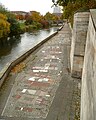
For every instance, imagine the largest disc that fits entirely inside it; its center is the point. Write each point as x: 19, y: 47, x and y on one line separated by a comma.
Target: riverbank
x: 21, y: 56
x: 43, y: 89
x: 32, y: 27
x: 17, y: 45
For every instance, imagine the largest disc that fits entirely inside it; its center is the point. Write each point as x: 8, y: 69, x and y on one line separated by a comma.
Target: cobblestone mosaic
x: 37, y: 79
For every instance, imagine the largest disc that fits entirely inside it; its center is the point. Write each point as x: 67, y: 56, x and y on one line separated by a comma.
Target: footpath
x: 41, y: 87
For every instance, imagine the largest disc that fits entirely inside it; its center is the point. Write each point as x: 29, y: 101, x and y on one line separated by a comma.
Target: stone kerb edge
x: 6, y: 70
x: 60, y: 28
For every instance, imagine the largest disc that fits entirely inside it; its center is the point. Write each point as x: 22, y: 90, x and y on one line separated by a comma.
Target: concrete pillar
x: 80, y: 27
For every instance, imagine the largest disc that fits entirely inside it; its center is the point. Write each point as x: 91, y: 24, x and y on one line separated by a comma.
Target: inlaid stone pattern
x: 35, y: 86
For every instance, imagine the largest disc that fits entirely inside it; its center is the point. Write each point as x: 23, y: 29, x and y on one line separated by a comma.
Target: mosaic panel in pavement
x: 35, y: 87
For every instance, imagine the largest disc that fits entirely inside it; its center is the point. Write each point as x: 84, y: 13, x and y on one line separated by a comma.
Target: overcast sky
x: 41, y: 6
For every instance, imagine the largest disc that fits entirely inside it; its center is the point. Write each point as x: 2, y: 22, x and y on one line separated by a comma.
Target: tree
x: 51, y: 18
x: 35, y: 16
x: 83, y: 2
x: 48, y: 16
x: 28, y: 21
x: 44, y: 23
x: 71, y: 6
x: 4, y: 26
x: 20, y: 17
x: 3, y: 9
x: 14, y: 25
x: 11, y: 19
x: 63, y: 2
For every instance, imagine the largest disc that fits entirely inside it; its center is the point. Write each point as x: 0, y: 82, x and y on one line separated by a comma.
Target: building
x: 57, y: 11
x: 19, y: 12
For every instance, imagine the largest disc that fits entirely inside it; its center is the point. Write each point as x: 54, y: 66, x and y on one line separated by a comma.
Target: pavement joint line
x: 6, y: 103
x: 39, y: 110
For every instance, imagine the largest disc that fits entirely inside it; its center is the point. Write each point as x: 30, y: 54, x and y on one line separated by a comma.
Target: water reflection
x: 7, y: 44
x: 14, y: 46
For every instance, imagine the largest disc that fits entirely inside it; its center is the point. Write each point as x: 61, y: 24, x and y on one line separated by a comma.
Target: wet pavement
x: 41, y: 87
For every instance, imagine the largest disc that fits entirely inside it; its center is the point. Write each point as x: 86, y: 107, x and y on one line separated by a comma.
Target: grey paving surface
x: 41, y: 87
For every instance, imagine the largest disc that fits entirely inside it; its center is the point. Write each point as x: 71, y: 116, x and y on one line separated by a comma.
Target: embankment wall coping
x: 8, y: 67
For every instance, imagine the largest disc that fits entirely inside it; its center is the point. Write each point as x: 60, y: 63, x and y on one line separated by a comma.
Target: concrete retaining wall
x: 79, y: 33
x: 88, y: 91
x: 6, y: 70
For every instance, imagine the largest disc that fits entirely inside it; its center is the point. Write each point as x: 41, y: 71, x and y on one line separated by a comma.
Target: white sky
x: 41, y: 6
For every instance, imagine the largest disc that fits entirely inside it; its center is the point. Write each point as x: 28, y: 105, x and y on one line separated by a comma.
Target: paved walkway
x: 41, y: 86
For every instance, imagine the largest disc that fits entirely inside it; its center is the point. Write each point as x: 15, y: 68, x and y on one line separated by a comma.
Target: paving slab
x: 43, y: 89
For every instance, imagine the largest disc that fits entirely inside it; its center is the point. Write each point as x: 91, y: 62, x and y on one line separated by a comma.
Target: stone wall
x: 88, y: 91
x: 80, y: 27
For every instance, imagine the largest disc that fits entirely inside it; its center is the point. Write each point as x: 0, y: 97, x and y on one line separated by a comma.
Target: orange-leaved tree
x: 36, y: 16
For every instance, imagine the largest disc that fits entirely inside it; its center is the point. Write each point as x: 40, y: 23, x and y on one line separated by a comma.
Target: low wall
x: 60, y: 28
x: 88, y: 90
x: 6, y: 70
x: 79, y: 33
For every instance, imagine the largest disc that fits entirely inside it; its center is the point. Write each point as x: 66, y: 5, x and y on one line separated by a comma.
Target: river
x: 12, y: 47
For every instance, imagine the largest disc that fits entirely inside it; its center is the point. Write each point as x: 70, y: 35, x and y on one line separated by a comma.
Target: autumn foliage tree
x: 44, y: 23
x: 4, y: 25
x: 71, y: 6
x: 36, y: 16
x: 36, y: 20
x: 9, y: 22
x: 20, y: 17
x: 51, y: 18
x: 48, y: 16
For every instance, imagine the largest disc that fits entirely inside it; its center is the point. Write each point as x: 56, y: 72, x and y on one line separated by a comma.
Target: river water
x: 12, y: 47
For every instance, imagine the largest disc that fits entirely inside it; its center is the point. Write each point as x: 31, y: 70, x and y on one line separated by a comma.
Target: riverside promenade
x: 41, y: 87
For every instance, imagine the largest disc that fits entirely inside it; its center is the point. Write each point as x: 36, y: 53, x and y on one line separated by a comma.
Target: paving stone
x: 44, y: 88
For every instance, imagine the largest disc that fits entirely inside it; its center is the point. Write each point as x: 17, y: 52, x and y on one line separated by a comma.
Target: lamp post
x: 54, y: 3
